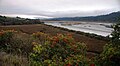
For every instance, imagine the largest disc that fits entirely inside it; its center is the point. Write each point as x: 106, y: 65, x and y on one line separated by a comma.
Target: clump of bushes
x: 110, y: 56
x: 12, y: 49
x: 40, y: 37
x: 20, y: 44
x: 5, y: 37
x: 111, y: 53
x: 14, y: 42
x: 58, y: 50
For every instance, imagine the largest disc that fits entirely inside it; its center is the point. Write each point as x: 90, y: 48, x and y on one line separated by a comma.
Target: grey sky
x: 57, y: 8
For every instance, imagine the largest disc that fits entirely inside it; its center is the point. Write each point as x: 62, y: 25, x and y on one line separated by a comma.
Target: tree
x: 116, y: 34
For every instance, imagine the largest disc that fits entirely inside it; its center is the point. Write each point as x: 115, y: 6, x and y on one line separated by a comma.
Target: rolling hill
x: 112, y: 17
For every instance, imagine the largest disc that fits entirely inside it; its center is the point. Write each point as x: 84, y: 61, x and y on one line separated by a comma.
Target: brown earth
x: 94, y: 45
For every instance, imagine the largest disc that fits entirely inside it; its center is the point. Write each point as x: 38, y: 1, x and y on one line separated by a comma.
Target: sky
x: 57, y: 8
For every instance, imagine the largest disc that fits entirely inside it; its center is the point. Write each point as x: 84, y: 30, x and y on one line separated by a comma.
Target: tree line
x: 18, y: 21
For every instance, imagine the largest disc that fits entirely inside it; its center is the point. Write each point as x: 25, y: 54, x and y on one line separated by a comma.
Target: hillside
x: 4, y: 20
x: 112, y: 17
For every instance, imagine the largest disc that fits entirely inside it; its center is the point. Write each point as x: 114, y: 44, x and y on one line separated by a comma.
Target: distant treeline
x: 112, y: 17
x: 17, y: 21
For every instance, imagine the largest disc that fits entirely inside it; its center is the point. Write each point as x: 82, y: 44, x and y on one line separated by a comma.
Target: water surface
x: 88, y: 27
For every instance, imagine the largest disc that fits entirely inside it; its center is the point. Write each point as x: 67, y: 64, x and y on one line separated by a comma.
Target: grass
x: 12, y: 60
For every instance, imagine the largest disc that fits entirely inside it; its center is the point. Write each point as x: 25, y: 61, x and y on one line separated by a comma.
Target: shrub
x: 110, y: 56
x: 56, y: 51
x: 40, y: 36
x: 5, y: 37
x: 20, y: 44
x: 116, y: 35
x: 14, y: 42
x: 111, y: 53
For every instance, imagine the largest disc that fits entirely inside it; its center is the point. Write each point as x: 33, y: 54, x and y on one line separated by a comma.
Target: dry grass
x: 12, y: 60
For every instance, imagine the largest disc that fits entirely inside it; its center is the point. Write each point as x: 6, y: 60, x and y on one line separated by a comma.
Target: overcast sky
x: 57, y: 8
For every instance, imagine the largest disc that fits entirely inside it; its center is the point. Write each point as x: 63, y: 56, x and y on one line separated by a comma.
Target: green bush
x: 110, y: 56
x: 111, y: 52
x: 5, y: 37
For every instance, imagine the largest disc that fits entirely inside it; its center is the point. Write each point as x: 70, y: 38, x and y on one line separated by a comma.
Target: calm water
x: 91, y: 27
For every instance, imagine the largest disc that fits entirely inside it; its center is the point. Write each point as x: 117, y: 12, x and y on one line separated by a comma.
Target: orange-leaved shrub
x: 40, y: 36
x: 58, y: 50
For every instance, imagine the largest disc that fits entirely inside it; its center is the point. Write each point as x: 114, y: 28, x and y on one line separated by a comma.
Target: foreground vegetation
x: 91, y: 42
x: 41, y: 49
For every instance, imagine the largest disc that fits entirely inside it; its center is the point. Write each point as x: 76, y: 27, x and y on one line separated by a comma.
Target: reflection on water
x: 88, y: 27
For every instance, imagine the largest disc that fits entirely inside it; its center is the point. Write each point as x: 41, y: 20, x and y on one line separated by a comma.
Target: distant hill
x: 17, y: 21
x: 112, y: 17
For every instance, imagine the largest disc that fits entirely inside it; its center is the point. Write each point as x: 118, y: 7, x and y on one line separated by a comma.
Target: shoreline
x: 91, y: 35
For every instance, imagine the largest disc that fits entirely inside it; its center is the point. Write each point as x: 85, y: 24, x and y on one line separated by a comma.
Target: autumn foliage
x: 58, y: 50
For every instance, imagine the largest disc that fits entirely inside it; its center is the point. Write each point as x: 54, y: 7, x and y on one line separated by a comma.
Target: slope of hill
x: 112, y: 17
x: 4, y: 20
